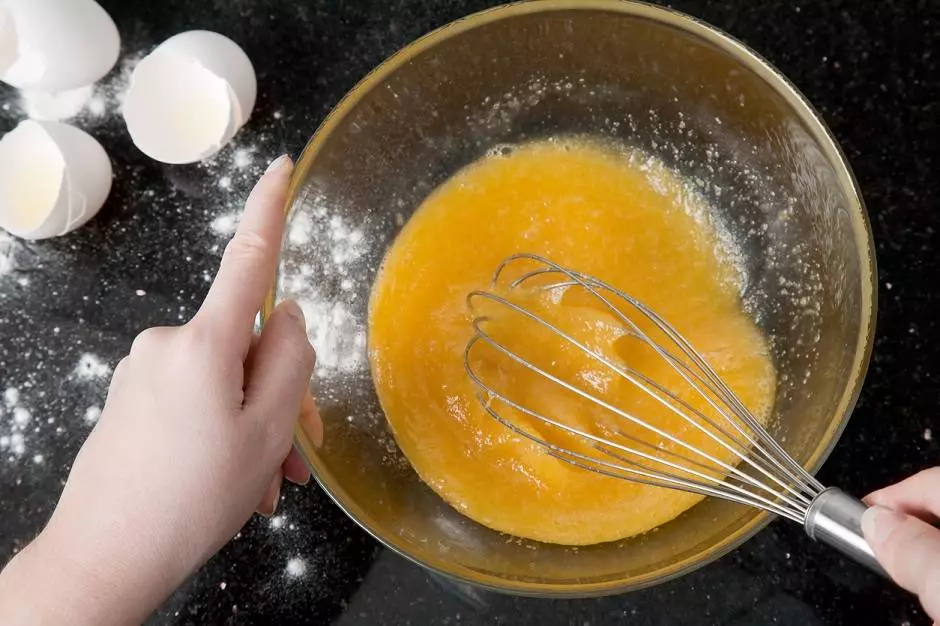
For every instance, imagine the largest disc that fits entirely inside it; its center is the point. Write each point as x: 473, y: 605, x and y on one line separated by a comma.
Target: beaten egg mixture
x: 628, y: 221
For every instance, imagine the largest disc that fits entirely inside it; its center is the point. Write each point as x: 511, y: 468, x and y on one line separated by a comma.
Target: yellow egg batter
x: 628, y: 221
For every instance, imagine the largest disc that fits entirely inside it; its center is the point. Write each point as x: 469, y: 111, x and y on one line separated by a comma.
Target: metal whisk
x: 762, y: 474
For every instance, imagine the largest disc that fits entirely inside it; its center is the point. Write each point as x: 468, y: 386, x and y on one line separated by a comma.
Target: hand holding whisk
x: 758, y: 472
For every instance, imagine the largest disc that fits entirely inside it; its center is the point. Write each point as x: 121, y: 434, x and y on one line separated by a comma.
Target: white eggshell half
x: 58, y: 44
x: 224, y: 58
x: 176, y: 110
x: 189, y: 97
x: 53, y: 178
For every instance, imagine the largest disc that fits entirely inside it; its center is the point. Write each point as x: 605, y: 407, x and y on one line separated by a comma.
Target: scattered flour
x: 58, y: 106
x: 90, y: 367
x: 225, y: 225
x: 17, y: 444
x: 15, y: 422
x: 231, y: 175
x: 97, y: 105
x: 92, y: 414
x: 27, y: 431
x: 21, y: 416
x: 296, y: 567
x: 91, y: 102
x: 243, y: 158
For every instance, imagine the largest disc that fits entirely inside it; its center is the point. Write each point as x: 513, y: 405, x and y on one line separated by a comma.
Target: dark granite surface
x: 70, y: 307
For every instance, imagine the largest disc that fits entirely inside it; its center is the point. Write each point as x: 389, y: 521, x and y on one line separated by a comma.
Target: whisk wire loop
x: 774, y: 482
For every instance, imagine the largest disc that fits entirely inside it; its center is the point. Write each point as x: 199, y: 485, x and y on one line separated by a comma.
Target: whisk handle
x: 835, y: 519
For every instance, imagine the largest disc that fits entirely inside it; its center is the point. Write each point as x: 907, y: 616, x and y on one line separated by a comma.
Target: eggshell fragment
x: 189, y: 97
x: 53, y: 178
x: 56, y: 45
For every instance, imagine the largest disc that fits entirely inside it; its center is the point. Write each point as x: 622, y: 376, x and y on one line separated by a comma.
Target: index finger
x: 918, y: 495
x: 249, y: 261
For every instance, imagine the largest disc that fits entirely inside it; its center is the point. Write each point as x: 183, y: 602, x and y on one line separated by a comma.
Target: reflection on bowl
x: 643, y: 76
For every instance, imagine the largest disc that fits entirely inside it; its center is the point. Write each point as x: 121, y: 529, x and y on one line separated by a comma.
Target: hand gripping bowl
x: 647, y: 77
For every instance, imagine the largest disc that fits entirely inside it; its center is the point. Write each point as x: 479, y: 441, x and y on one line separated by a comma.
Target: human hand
x: 898, y: 529
x: 195, y: 435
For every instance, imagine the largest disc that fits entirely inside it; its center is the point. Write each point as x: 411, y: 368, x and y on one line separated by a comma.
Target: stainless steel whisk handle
x: 835, y: 519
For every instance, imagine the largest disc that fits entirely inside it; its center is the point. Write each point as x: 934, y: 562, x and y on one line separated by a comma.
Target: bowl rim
x: 860, y: 222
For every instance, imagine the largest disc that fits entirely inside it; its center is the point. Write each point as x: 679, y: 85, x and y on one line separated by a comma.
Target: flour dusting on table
x: 91, y: 367
x: 85, y: 103
x: 296, y: 567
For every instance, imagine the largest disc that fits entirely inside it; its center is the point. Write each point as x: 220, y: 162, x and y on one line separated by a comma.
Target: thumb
x: 909, y: 549
x: 281, y: 365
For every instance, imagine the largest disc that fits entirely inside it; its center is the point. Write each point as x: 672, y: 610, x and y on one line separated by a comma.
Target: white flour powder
x: 322, y: 265
x: 93, y: 101
x: 226, y: 224
x: 56, y: 106
x: 91, y: 367
x: 14, y: 422
x: 92, y: 414
x: 296, y: 567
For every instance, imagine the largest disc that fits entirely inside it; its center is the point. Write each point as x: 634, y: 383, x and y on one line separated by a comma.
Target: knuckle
x: 247, y: 245
x: 198, y: 333
x: 273, y: 434
x: 119, y: 371
x: 147, y: 340
x: 278, y: 435
x: 301, y: 356
x: 308, y: 356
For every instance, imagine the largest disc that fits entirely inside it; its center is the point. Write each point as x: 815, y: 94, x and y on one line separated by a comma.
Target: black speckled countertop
x: 70, y: 307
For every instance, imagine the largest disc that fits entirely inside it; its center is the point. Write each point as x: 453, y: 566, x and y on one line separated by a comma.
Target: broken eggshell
x: 55, y: 45
x: 189, y: 97
x: 53, y: 178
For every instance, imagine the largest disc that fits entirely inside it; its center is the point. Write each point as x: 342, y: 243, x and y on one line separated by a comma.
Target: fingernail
x: 278, y: 163
x: 293, y: 310
x: 879, y: 522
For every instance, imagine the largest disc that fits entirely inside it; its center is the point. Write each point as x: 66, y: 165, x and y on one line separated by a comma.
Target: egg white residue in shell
x: 189, y: 97
x: 53, y: 178
x: 56, y: 45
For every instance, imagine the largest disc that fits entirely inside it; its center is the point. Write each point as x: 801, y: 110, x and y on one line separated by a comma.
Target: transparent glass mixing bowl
x: 647, y: 77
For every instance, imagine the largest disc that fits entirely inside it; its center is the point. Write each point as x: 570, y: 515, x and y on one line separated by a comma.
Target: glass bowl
x: 647, y: 77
